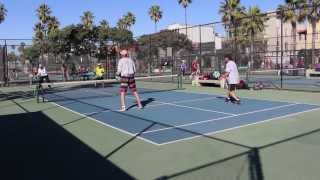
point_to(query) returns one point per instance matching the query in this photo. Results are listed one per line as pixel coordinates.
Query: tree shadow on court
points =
(34, 147)
(16, 95)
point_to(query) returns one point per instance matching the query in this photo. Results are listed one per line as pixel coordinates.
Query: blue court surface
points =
(172, 116)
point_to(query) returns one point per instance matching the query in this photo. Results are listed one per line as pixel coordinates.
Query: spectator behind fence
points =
(64, 69)
(99, 72)
(183, 67)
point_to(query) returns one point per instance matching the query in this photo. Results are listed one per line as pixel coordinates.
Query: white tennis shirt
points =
(42, 72)
(126, 67)
(232, 69)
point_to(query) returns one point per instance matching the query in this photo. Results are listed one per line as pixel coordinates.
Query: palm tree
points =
(44, 13)
(155, 15)
(291, 12)
(232, 12)
(104, 24)
(53, 24)
(254, 24)
(3, 12)
(129, 20)
(121, 24)
(41, 28)
(87, 20)
(185, 4)
(312, 14)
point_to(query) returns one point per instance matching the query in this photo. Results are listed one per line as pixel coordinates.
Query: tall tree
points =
(3, 12)
(291, 12)
(185, 4)
(155, 14)
(44, 27)
(129, 20)
(311, 11)
(252, 25)
(121, 24)
(87, 34)
(103, 36)
(232, 14)
(87, 20)
(44, 13)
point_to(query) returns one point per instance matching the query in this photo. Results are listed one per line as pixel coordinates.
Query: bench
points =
(209, 82)
(311, 73)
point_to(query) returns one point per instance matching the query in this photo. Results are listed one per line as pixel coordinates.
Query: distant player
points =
(126, 71)
(232, 75)
(43, 75)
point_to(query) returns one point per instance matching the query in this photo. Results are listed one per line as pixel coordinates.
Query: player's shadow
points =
(35, 147)
(143, 102)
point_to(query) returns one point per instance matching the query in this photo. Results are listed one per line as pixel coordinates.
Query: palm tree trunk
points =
(185, 20)
(251, 50)
(313, 42)
(294, 32)
(155, 26)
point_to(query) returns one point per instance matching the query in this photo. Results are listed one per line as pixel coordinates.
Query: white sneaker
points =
(122, 109)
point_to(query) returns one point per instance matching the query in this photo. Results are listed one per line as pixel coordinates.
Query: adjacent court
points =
(171, 116)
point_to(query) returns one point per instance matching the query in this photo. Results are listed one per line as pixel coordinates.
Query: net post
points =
(256, 172)
(37, 93)
(179, 80)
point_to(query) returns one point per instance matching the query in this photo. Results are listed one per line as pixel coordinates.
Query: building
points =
(202, 36)
(291, 50)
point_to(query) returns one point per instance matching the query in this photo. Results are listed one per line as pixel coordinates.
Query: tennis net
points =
(60, 91)
(274, 77)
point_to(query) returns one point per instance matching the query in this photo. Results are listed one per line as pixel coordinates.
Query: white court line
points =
(217, 119)
(237, 127)
(177, 105)
(183, 101)
(252, 98)
(108, 125)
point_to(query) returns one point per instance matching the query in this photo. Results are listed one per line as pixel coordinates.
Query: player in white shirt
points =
(126, 71)
(233, 79)
(43, 75)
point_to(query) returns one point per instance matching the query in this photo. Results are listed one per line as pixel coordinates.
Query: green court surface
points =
(46, 141)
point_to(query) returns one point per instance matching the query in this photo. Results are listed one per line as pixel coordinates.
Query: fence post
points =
(281, 58)
(5, 64)
(200, 48)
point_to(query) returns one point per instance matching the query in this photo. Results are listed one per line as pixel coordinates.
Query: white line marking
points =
(194, 100)
(217, 119)
(177, 105)
(251, 98)
(237, 127)
(182, 101)
(108, 125)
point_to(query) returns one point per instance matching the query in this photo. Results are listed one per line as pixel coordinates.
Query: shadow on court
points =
(34, 147)
(16, 95)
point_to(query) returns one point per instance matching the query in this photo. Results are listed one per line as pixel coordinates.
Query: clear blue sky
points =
(21, 15)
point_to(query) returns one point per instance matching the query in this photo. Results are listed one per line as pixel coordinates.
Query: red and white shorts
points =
(126, 82)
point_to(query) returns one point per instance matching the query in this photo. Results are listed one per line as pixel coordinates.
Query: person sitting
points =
(99, 72)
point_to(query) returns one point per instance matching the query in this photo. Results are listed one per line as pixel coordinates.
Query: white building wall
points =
(193, 33)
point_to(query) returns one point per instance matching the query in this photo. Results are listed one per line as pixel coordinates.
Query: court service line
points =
(182, 101)
(108, 125)
(237, 127)
(257, 98)
(177, 105)
(217, 119)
